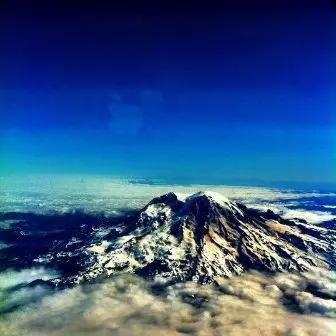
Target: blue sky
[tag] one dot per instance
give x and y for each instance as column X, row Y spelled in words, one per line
column 219, row 95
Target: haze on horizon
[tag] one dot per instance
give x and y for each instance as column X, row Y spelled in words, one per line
column 188, row 94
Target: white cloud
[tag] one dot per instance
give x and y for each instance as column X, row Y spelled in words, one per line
column 126, row 305
column 62, row 193
column 313, row 217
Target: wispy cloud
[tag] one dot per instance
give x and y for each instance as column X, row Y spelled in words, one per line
column 11, row 278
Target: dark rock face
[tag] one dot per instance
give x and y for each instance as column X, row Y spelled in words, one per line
column 175, row 237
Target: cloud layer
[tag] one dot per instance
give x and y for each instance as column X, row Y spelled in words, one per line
column 62, row 193
column 256, row 304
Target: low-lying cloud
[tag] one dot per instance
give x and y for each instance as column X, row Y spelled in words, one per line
column 97, row 194
column 14, row 289
column 253, row 304
column 12, row 278
column 313, row 217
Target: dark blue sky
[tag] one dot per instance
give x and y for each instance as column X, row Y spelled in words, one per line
column 179, row 92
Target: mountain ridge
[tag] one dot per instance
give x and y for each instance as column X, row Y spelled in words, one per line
column 203, row 236
column 175, row 237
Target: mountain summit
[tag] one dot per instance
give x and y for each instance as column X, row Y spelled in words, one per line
column 203, row 236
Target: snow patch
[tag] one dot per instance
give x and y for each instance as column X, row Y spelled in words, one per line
column 101, row 248
column 152, row 210
column 182, row 197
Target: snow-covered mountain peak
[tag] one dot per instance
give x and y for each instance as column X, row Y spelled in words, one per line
column 185, row 201
column 197, row 237
column 216, row 198
column 212, row 195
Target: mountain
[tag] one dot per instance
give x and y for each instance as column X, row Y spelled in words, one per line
column 204, row 236
column 175, row 237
